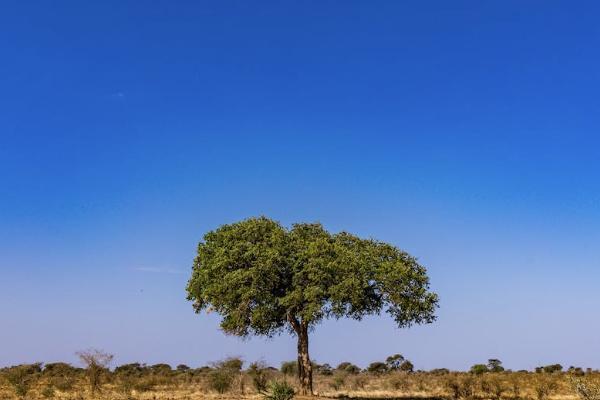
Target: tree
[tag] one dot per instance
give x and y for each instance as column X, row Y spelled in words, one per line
column 96, row 363
column 495, row 365
column 377, row 367
column 264, row 279
column 407, row 366
column 393, row 362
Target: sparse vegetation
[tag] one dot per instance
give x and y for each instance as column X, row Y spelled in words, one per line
column 226, row 379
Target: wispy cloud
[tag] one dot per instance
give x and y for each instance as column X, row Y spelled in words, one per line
column 157, row 270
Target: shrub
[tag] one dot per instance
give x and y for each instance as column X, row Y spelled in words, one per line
column 233, row 364
column 133, row 369
column 96, row 362
column 479, row 369
column 289, row 368
column 324, row 369
column 22, row 377
column 220, row 379
column 48, row 392
column 280, row 391
column 394, row 362
column 495, row 365
column 258, row 373
column 407, row 366
column 586, row 389
column 338, row 381
column 544, row 386
column 460, row 387
column 377, row 367
column 398, row 382
column 161, row 369
column 359, row 382
column 348, row 367
column 440, row 371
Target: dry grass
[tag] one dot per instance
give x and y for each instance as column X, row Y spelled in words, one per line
column 182, row 386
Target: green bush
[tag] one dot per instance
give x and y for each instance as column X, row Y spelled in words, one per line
column 348, row 367
column 280, row 391
column 221, row 379
column 479, row 369
column 377, row 367
column 258, row 373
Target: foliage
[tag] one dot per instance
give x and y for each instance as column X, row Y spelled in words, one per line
column 22, row 377
column 348, row 367
column 289, row 368
column 377, row 367
column 407, row 366
column 324, row 369
column 221, row 379
column 258, row 373
column 280, row 390
column 394, row 362
column 96, row 363
column 479, row 369
column 495, row 365
column 256, row 274
column 160, row 369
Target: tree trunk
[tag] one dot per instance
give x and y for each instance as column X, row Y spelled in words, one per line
column 304, row 364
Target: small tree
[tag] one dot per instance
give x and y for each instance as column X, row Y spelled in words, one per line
column 348, row 367
column 258, row 373
column 264, row 279
column 394, row 362
column 377, row 367
column 407, row 366
column 495, row 365
column 96, row 363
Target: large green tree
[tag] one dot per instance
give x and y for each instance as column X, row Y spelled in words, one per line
column 263, row 278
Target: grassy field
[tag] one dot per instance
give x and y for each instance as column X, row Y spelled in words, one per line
column 61, row 381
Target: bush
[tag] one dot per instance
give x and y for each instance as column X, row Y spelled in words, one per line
column 280, row 391
column 586, row 389
column 220, row 379
column 544, row 386
column 96, row 362
column 394, row 362
column 289, row 368
column 338, row 381
column 460, row 387
column 161, row 369
column 440, row 371
column 398, row 382
column 258, row 373
column 377, row 367
column 48, row 392
column 495, row 365
column 22, row 377
column 407, row 366
column 348, row 367
column 233, row 364
column 479, row 369
column 324, row 369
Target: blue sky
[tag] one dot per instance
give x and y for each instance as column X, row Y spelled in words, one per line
column 463, row 132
